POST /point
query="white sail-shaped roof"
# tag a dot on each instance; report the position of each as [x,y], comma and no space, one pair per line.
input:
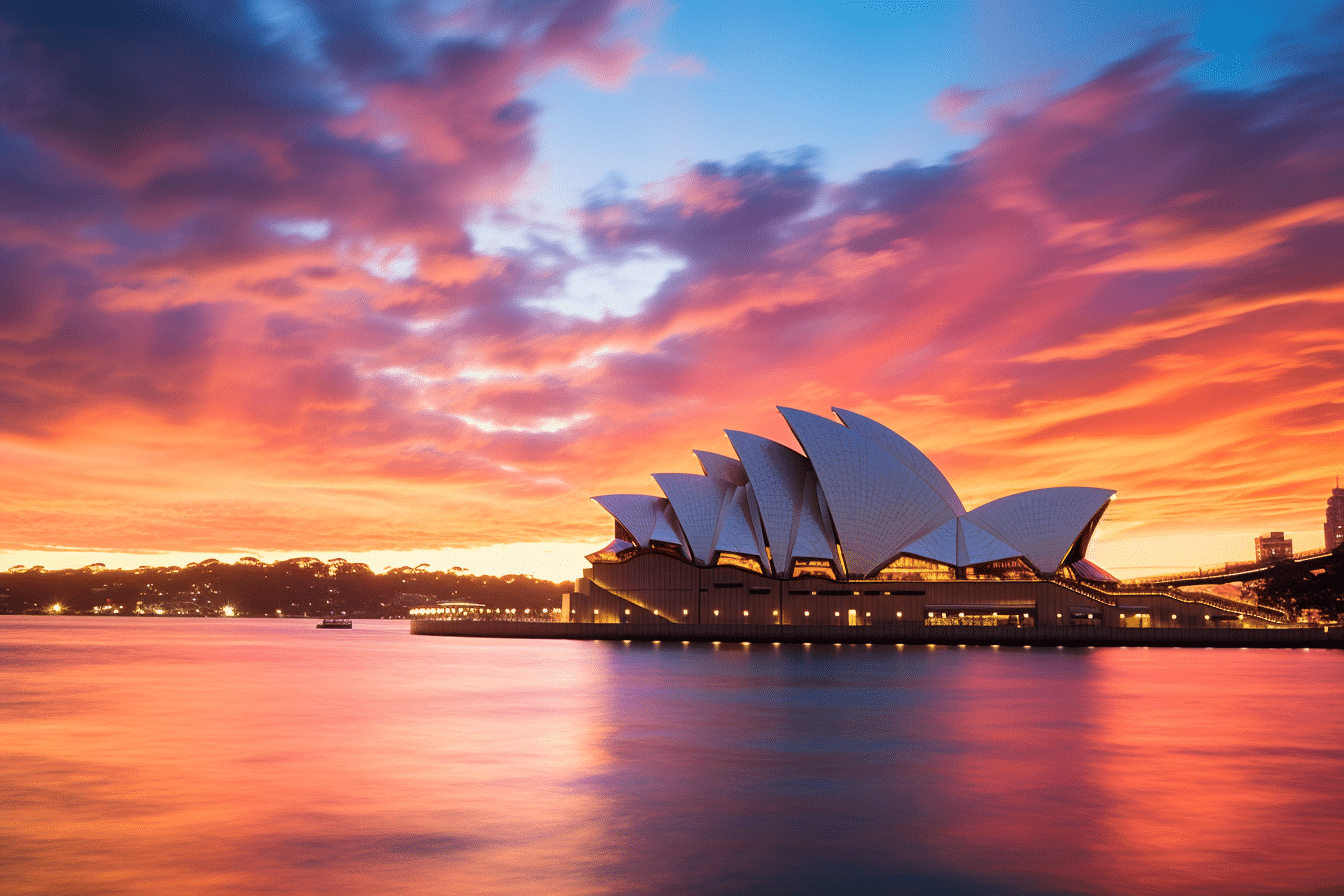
[667,529]
[778,480]
[940,545]
[905,452]
[757,529]
[735,530]
[978,546]
[878,504]
[639,514]
[721,466]
[697,501]
[1042,523]
[812,539]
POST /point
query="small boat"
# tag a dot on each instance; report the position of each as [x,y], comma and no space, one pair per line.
[336,623]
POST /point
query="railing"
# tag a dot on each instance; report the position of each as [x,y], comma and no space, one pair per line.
[1231,568]
[1264,614]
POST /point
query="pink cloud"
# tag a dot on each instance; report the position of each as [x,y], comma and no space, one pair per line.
[1134,285]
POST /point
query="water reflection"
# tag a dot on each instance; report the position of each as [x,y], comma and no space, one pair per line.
[240,756]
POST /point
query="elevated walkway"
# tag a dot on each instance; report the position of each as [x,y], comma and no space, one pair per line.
[1305,561]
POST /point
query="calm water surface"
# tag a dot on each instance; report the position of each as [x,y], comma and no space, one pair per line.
[155,756]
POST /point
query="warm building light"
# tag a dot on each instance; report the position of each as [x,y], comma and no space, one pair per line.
[745,613]
[807,612]
[685,612]
[716,612]
[898,614]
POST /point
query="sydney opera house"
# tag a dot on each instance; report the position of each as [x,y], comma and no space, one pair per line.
[857,528]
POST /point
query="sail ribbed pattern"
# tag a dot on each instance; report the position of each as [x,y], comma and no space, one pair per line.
[905,452]
[698,501]
[667,527]
[735,530]
[940,545]
[1043,523]
[720,466]
[812,540]
[980,546]
[639,514]
[757,529]
[878,504]
[778,477]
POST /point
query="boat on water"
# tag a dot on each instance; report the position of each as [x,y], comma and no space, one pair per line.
[336,623]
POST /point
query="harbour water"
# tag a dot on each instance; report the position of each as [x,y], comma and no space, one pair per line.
[238,756]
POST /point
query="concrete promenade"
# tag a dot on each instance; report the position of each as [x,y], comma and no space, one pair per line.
[897,633]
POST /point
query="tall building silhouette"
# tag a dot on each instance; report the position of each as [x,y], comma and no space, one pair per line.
[1334,518]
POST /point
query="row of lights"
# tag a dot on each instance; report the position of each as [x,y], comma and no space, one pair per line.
[993,615]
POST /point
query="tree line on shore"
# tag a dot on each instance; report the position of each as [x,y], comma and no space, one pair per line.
[1298,591]
[300,586]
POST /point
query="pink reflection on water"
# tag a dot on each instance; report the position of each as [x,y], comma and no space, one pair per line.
[1211,766]
[239,756]
[1133,771]
[247,756]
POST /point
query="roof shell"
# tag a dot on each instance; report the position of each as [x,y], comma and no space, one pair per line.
[736,533]
[698,501]
[779,484]
[721,466]
[639,514]
[878,504]
[905,452]
[1044,523]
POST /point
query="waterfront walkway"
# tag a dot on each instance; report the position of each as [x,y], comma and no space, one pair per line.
[894,633]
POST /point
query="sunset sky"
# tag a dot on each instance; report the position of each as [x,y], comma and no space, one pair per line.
[407,282]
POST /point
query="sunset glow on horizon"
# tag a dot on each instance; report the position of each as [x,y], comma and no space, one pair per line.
[408,282]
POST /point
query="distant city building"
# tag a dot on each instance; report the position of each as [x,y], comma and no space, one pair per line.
[1334,518]
[1273,547]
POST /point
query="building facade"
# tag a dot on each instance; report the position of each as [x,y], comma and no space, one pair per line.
[858,528]
[1334,518]
[1273,546]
